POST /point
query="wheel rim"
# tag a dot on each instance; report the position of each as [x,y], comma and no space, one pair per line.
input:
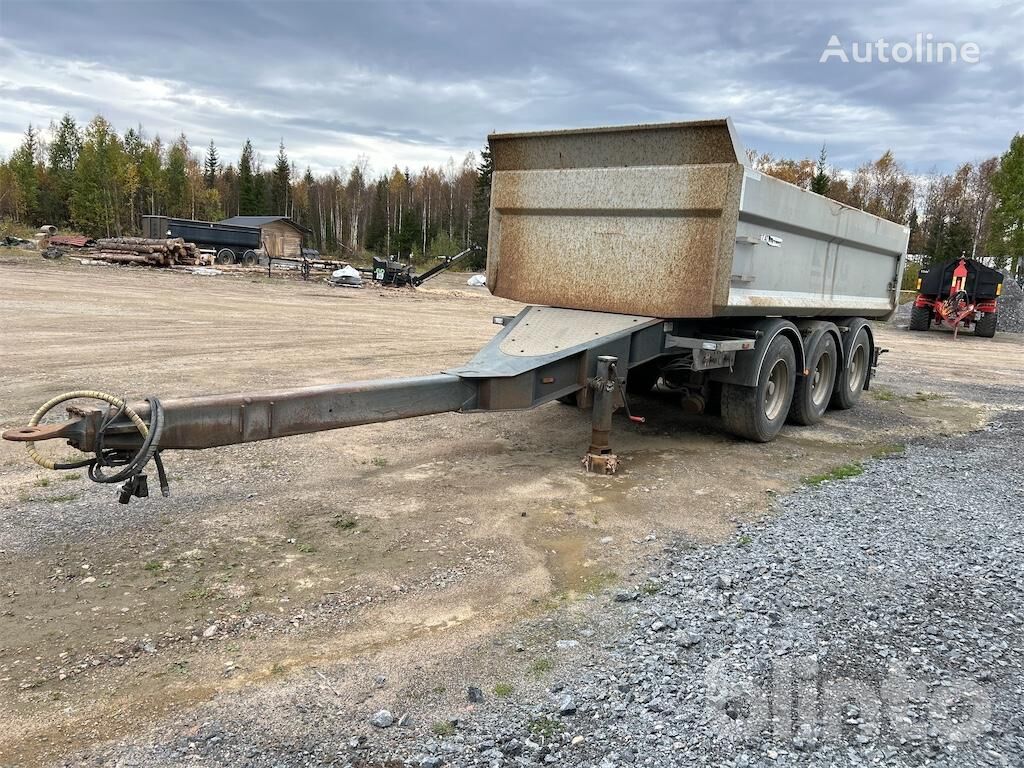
[821,380]
[858,368]
[776,389]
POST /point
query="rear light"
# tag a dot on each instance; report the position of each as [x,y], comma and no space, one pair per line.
[999,290]
[919,283]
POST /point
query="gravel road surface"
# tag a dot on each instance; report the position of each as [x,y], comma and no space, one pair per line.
[454,591]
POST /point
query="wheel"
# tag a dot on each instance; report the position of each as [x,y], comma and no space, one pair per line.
[641,378]
[986,326]
[225,256]
[920,318]
[812,392]
[758,413]
[250,259]
[851,377]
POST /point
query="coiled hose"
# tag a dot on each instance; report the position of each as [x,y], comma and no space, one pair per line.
[131,465]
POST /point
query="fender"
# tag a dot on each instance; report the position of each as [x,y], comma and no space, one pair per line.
[850,327]
[747,368]
[813,332]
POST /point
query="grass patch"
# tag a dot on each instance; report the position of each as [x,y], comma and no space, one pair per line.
[650,588]
[546,727]
[42,482]
[344,522]
[889,449]
[153,566]
[541,666]
[744,541]
[305,548]
[379,461]
[595,582]
[443,728]
[503,690]
[67,477]
[926,397]
[838,473]
[884,394]
[277,669]
[60,497]
[201,594]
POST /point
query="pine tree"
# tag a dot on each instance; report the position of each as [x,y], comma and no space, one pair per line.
[210,166]
[248,192]
[65,147]
[1006,238]
[23,167]
[916,243]
[377,224]
[176,179]
[279,191]
[480,220]
[820,182]
[100,202]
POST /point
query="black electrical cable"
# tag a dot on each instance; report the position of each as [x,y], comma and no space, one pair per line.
[133,464]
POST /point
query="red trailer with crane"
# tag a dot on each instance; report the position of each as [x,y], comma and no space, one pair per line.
[958,294]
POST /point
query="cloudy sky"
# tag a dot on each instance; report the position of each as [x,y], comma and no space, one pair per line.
[418,82]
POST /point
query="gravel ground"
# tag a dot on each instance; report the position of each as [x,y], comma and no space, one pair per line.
[872,620]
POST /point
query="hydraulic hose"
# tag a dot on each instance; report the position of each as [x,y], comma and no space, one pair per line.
[131,465]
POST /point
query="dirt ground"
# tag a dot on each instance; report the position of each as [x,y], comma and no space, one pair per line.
[399,550]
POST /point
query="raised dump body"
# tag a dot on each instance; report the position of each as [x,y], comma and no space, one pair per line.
[669,221]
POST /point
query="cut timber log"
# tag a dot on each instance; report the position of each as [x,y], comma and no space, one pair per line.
[141,250]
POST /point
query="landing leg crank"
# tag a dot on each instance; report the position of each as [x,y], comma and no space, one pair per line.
[600,457]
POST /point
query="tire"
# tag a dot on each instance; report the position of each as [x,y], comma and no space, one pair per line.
[986,326]
[249,258]
[920,318]
[813,392]
[641,378]
[758,413]
[851,376]
[225,256]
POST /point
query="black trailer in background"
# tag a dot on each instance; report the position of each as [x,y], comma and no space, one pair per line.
[232,243]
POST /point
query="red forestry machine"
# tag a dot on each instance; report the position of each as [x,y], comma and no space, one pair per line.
[961,292]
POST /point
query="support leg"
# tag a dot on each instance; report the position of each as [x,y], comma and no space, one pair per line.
[600,457]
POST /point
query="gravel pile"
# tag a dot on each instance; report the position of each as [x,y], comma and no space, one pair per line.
[875,620]
[1011,306]
[902,314]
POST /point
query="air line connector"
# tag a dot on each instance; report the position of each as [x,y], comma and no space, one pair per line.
[600,457]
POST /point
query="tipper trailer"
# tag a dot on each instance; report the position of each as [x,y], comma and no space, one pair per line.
[650,255]
[231,243]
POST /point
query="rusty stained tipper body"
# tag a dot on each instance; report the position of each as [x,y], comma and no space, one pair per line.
[659,261]
[668,221]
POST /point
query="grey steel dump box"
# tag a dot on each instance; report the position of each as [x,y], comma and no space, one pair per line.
[668,221]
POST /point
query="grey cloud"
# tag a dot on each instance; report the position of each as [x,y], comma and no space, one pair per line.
[443,74]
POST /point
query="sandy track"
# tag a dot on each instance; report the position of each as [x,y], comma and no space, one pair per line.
[385,546]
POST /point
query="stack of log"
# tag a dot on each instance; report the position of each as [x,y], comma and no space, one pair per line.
[141,250]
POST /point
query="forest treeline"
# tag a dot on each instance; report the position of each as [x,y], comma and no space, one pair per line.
[100,182]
